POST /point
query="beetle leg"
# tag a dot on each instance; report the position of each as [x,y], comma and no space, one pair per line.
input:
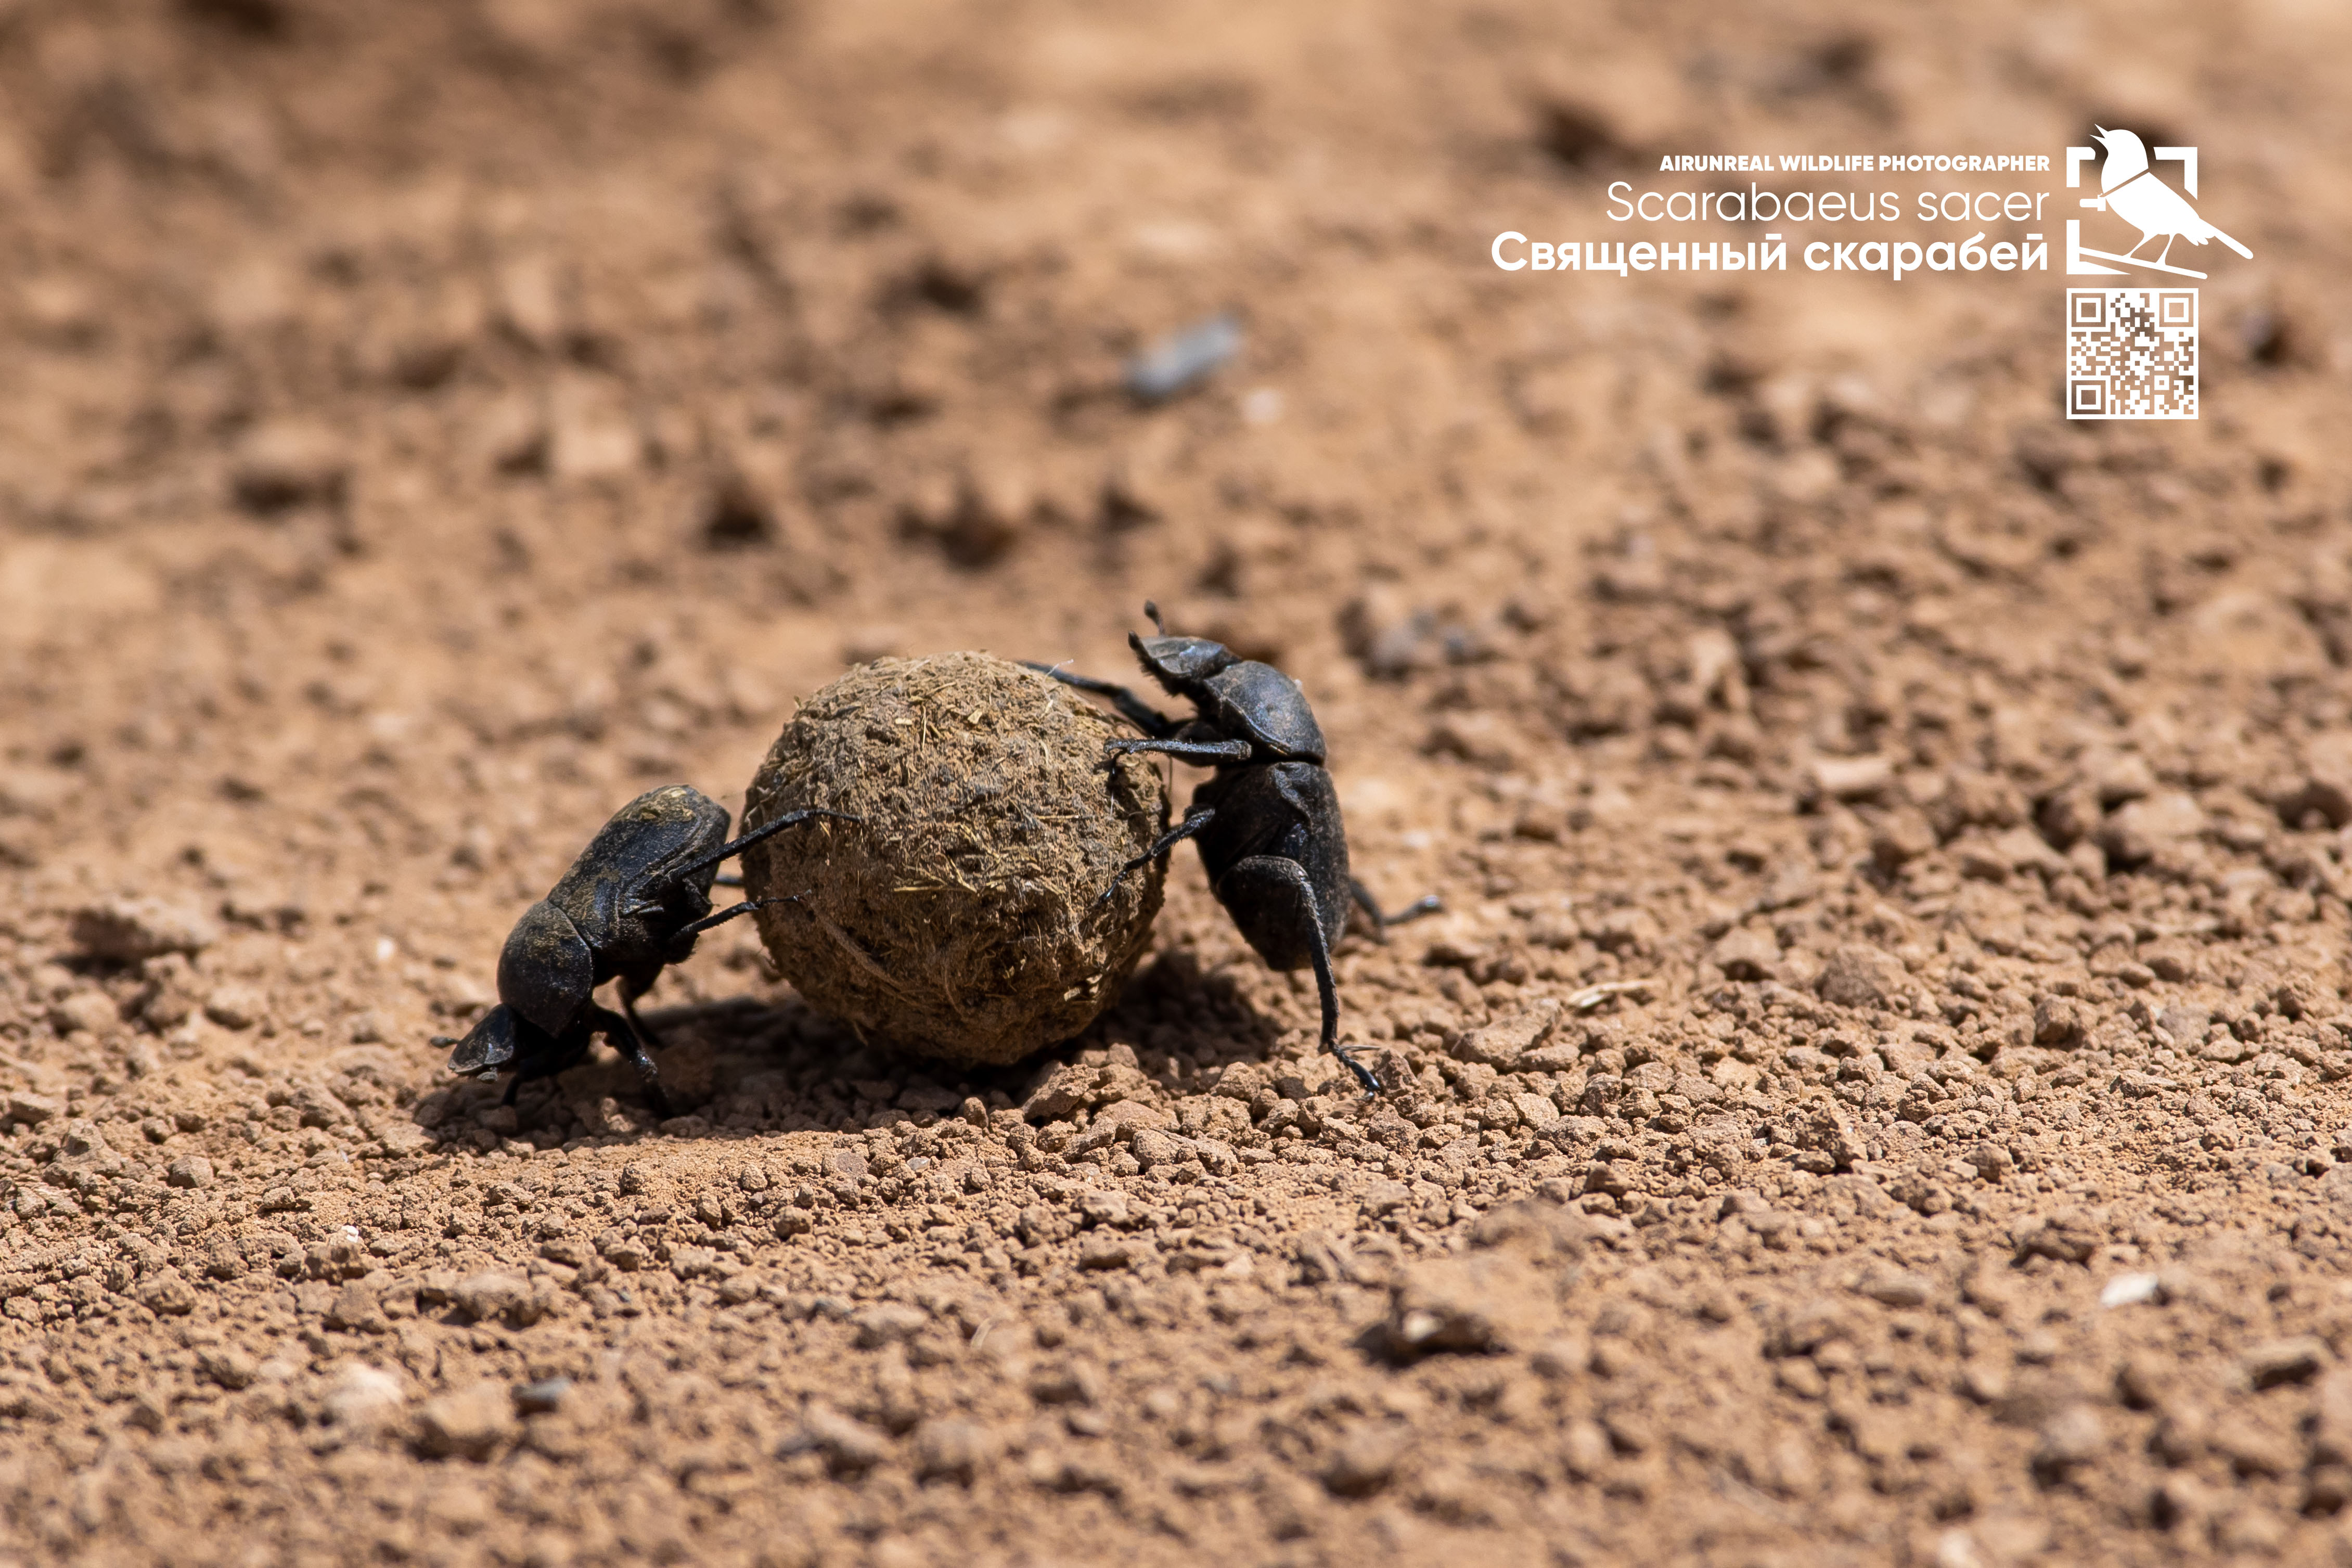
[643,1030]
[1195,820]
[1187,751]
[1282,910]
[765,830]
[1328,991]
[1429,905]
[729,913]
[624,1032]
[1132,708]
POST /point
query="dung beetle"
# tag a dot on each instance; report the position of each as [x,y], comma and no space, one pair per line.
[1267,822]
[630,906]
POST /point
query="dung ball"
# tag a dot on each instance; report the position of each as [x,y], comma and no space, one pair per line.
[962,915]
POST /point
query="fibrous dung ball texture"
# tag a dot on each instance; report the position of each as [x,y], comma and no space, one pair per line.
[962,915]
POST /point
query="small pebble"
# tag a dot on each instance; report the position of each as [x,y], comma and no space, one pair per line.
[235,1006]
[2294,1360]
[1176,362]
[363,1397]
[129,931]
[469,1424]
[539,1398]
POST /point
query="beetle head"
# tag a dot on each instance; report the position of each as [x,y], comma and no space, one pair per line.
[1175,662]
[491,1044]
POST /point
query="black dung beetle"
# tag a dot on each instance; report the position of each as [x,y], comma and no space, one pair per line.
[1268,821]
[630,906]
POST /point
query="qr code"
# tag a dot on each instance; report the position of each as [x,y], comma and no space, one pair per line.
[2131,354]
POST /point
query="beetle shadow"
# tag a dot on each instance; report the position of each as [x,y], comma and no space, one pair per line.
[1174,1006]
[748,1066]
[732,1068]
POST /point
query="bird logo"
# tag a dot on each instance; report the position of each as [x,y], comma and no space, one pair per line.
[2130,188]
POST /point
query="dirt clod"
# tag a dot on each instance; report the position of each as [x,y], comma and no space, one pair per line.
[1486,1303]
[471,1423]
[129,931]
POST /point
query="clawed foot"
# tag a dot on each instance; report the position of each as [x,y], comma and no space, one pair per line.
[1364,1075]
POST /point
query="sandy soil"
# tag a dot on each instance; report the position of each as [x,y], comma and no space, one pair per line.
[426,426]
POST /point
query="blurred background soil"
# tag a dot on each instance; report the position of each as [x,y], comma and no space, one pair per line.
[422,428]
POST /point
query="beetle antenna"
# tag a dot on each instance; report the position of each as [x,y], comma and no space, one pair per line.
[1151,608]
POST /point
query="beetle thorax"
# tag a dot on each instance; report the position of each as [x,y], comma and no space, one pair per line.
[1259,703]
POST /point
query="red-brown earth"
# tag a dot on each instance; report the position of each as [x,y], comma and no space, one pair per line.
[1878,1093]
